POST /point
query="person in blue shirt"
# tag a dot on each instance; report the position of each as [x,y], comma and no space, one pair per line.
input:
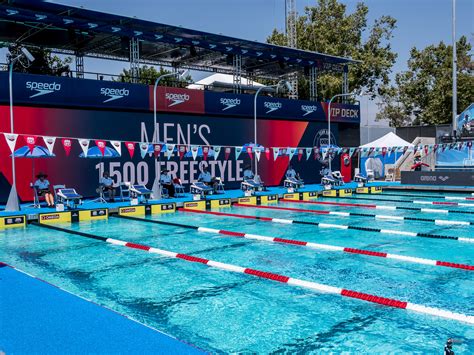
[107,184]
[248,173]
[167,182]
[291,173]
[42,187]
[205,177]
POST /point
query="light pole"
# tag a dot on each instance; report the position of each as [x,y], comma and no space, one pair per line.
[282,84]
[455,61]
[329,122]
[156,183]
[13,203]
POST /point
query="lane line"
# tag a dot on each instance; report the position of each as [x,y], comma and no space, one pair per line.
[325,247]
[389,302]
[406,201]
[363,205]
[356,214]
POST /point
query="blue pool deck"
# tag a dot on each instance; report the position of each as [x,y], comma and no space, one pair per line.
[37,317]
[234,194]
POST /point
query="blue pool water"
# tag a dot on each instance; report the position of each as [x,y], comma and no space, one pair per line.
[221,311]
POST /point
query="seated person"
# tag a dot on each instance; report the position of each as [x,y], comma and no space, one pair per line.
[167,182]
[248,173]
[107,184]
[291,174]
[206,178]
[42,187]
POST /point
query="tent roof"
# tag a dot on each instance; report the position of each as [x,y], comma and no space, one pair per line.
[389,140]
[220,78]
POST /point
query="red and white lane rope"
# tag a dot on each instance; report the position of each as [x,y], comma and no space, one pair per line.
[380,207]
[389,302]
[407,201]
[441,222]
[325,247]
[442,197]
[385,231]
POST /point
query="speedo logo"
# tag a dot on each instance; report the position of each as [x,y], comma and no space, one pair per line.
[42,88]
[272,106]
[309,109]
[229,103]
[114,94]
[176,99]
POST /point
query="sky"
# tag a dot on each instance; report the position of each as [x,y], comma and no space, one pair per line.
[419,22]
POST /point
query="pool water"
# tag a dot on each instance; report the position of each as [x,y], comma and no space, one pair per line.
[220,311]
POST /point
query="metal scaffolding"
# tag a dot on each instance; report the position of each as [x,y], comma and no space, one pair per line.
[134,59]
[237,73]
[313,84]
[79,65]
[345,83]
[290,23]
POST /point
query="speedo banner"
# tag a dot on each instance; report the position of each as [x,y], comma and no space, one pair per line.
[44,90]
[204,130]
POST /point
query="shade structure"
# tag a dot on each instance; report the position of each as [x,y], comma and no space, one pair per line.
[37,152]
[94,152]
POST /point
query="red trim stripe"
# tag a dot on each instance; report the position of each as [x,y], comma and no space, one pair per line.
[444,203]
[289,241]
[455,265]
[137,246]
[234,234]
[375,299]
[194,259]
[365,252]
[267,275]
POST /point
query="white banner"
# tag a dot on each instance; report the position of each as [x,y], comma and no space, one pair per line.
[49,141]
[117,146]
[143,149]
[84,143]
[11,140]
[217,150]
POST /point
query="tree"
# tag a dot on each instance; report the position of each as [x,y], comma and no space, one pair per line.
[422,95]
[327,28]
[148,75]
[45,62]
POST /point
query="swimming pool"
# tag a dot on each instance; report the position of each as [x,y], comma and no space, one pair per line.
[222,311]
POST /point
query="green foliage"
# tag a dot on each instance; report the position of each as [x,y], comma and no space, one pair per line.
[148,75]
[422,95]
[45,63]
[328,28]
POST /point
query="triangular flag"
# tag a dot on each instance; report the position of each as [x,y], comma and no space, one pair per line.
[49,141]
[30,142]
[257,153]
[131,148]
[11,140]
[181,151]
[84,143]
[169,150]
[384,151]
[300,153]
[351,152]
[117,146]
[143,149]
[275,153]
[227,151]
[308,153]
[249,152]
[101,145]
[217,150]
[205,152]
[67,144]
[324,153]
[291,152]
[238,150]
[157,150]
[267,153]
[194,151]
[316,151]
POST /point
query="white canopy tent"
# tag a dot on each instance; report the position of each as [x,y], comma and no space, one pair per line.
[389,140]
[220,78]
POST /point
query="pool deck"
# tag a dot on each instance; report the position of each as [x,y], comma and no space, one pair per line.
[37,317]
[235,194]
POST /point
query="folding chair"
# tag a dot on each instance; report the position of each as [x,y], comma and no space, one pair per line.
[220,186]
[124,188]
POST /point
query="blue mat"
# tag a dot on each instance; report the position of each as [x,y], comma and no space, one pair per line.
[36,317]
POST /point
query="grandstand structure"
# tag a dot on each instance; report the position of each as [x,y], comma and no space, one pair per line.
[84,33]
